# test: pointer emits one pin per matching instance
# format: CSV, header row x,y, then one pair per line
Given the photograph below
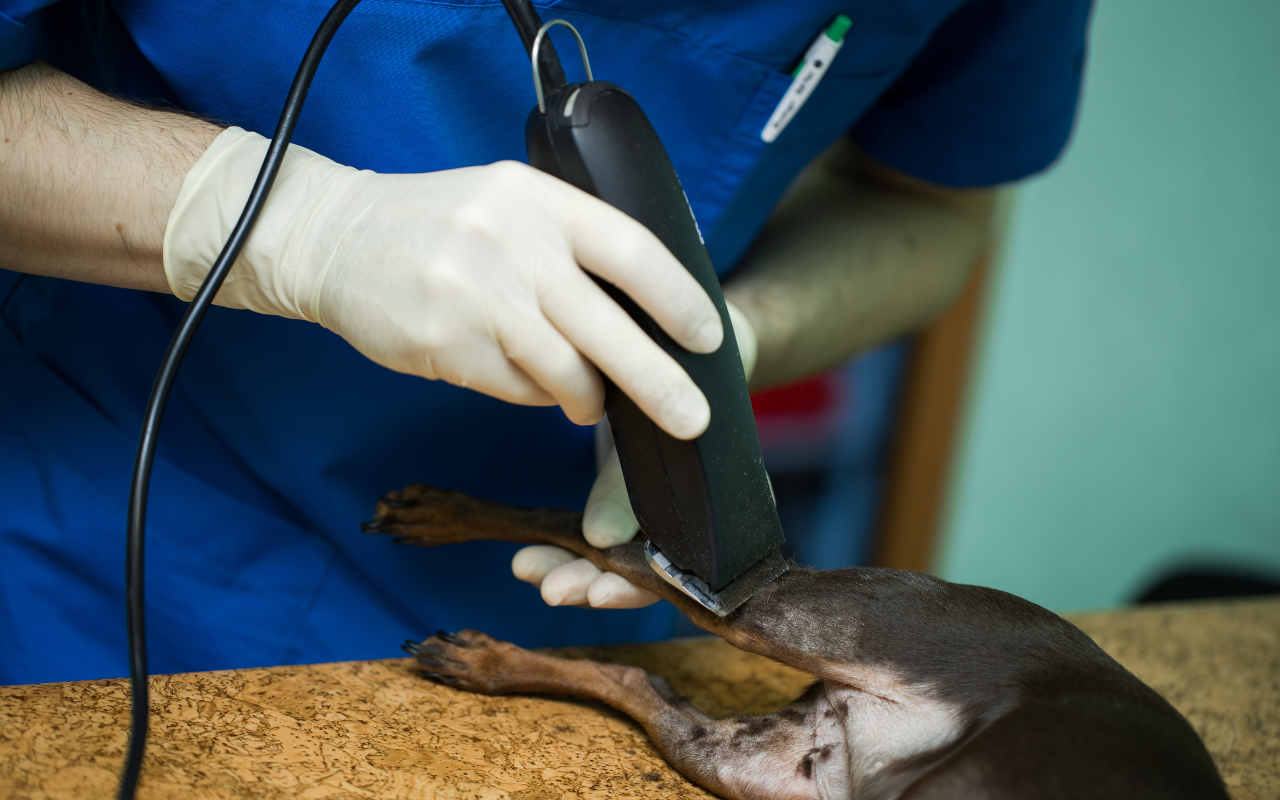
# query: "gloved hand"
x,y
608,520
473,276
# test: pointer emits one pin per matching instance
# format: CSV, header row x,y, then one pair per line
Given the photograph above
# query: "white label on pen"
x,y
816,61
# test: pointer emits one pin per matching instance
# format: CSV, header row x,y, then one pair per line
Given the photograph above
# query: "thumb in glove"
x,y
607,521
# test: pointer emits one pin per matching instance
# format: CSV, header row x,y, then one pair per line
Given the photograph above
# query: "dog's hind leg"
x,y
789,755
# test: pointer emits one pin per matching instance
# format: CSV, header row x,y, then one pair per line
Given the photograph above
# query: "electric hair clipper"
x,y
706,505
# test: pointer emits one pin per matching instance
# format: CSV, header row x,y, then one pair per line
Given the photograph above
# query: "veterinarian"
x,y
419,320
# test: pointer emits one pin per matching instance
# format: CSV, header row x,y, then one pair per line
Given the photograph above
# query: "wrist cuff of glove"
x,y
281,267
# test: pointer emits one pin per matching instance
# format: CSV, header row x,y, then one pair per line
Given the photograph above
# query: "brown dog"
x,y
926,689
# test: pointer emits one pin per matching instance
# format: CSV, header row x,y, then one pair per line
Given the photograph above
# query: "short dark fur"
x,y
1037,709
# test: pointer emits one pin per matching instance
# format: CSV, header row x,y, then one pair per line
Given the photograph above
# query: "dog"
x,y
925,690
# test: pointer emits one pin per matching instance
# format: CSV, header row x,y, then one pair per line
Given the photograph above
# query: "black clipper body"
x,y
706,504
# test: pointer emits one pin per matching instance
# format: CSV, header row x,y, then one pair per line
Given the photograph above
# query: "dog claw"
x,y
391,502
411,647
372,526
444,680
448,637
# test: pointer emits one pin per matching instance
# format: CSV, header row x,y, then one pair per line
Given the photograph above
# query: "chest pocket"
x,y
741,185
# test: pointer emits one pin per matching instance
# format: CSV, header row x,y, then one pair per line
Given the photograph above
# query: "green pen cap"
x,y
838,27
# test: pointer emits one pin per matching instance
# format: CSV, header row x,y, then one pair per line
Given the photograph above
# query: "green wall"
x,y
1125,416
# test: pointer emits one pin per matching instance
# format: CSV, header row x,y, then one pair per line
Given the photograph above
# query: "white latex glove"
x,y
607,521
474,276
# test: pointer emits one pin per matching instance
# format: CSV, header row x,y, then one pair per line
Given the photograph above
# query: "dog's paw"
x,y
468,660
424,515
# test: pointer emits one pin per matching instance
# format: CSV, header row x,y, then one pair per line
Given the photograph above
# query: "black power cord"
x,y
164,382
527,23
525,17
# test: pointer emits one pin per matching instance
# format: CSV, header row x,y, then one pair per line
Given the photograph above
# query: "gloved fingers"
x,y
608,519
567,584
548,358
607,335
628,255
614,591
531,564
486,370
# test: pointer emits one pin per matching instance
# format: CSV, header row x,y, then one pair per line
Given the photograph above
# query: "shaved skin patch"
x,y
880,731
765,774
851,737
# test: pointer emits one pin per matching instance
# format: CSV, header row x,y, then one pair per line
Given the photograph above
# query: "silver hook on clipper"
x,y
533,58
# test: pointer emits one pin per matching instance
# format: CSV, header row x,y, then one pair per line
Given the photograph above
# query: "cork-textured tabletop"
x,y
377,729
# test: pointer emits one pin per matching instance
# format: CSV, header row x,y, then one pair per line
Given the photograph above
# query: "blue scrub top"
x,y
279,437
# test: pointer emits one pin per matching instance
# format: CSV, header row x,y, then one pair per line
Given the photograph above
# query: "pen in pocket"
x,y
806,76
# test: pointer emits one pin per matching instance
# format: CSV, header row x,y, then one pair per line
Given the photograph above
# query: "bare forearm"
x,y
855,256
87,181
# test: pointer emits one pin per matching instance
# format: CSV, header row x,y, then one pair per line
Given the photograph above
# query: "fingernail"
x,y
566,585
600,598
531,564
692,416
553,592
606,525
613,591
708,336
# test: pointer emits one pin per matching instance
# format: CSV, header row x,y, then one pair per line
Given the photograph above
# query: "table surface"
x,y
375,728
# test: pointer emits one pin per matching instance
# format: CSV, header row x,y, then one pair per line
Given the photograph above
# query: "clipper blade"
x,y
723,602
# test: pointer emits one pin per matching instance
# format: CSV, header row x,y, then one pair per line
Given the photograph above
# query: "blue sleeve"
x,y
990,99
19,40
88,40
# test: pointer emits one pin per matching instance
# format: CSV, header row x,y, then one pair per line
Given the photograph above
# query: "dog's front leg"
x,y
428,517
